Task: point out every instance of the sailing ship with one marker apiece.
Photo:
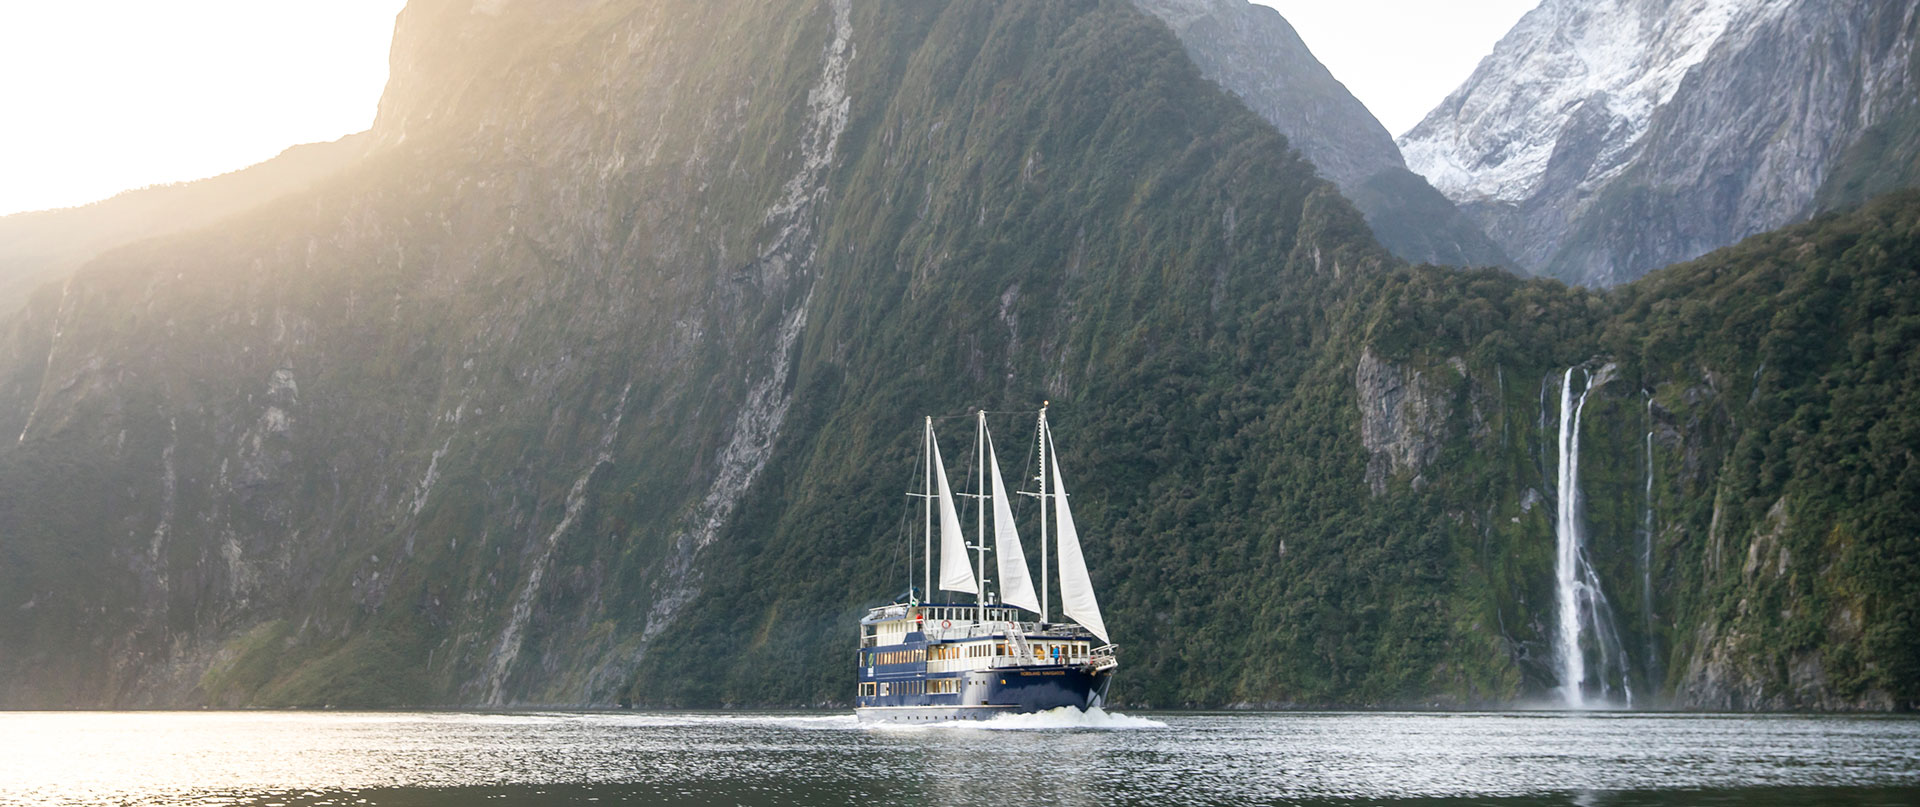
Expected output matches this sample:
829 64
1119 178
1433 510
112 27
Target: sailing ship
940 661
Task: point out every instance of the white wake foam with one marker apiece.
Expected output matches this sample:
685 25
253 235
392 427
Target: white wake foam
841 721
1064 718
1067 717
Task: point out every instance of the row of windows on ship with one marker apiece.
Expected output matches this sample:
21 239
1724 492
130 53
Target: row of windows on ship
968 614
1076 651
930 686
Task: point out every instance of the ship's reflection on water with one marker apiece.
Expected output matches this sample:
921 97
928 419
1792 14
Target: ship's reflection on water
436 759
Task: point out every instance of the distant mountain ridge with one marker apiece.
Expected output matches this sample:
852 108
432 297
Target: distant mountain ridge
1252 52
1601 140
41 246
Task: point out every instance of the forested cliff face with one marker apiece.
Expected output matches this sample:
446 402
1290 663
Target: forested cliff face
600 378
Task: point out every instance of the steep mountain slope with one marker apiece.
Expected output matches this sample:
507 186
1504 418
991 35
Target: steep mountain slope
1602 140
465 424
1252 52
599 378
48 244
366 419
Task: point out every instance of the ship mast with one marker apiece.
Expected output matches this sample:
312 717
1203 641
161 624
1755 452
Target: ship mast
927 496
1045 593
980 518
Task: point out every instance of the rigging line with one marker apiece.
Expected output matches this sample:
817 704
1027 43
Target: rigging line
904 554
1018 502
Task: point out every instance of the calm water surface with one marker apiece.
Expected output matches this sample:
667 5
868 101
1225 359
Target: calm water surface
299 759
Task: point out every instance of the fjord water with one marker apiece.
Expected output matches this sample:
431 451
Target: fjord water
261 758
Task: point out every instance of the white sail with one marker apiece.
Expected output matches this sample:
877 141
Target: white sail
1016 587
956 574
1076 588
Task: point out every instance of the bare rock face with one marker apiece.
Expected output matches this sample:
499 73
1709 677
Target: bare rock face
1402 415
1252 52
1602 140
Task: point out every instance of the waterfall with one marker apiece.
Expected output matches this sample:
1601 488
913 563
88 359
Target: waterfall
1566 572
1646 550
1582 608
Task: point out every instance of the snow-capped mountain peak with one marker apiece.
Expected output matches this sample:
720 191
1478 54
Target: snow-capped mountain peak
1597 66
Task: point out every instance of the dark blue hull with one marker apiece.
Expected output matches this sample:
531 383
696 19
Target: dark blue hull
983 694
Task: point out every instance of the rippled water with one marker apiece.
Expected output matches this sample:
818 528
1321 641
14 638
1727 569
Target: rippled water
261 758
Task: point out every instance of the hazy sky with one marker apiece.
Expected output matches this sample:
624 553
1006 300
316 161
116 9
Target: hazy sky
99 96
1401 57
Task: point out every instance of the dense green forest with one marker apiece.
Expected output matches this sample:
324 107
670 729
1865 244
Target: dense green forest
600 380
1218 416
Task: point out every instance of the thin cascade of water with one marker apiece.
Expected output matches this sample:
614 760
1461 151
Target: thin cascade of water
1646 548
1582 607
1612 664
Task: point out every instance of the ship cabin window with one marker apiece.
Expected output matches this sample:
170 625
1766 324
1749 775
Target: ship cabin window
869 689
899 657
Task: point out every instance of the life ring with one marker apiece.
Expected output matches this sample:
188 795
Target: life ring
946 623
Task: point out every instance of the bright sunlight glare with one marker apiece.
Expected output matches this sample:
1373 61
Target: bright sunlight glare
101 96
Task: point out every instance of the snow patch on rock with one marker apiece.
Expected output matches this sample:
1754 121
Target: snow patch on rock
1569 64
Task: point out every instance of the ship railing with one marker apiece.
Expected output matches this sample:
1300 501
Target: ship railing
1105 657
977 630
965 630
